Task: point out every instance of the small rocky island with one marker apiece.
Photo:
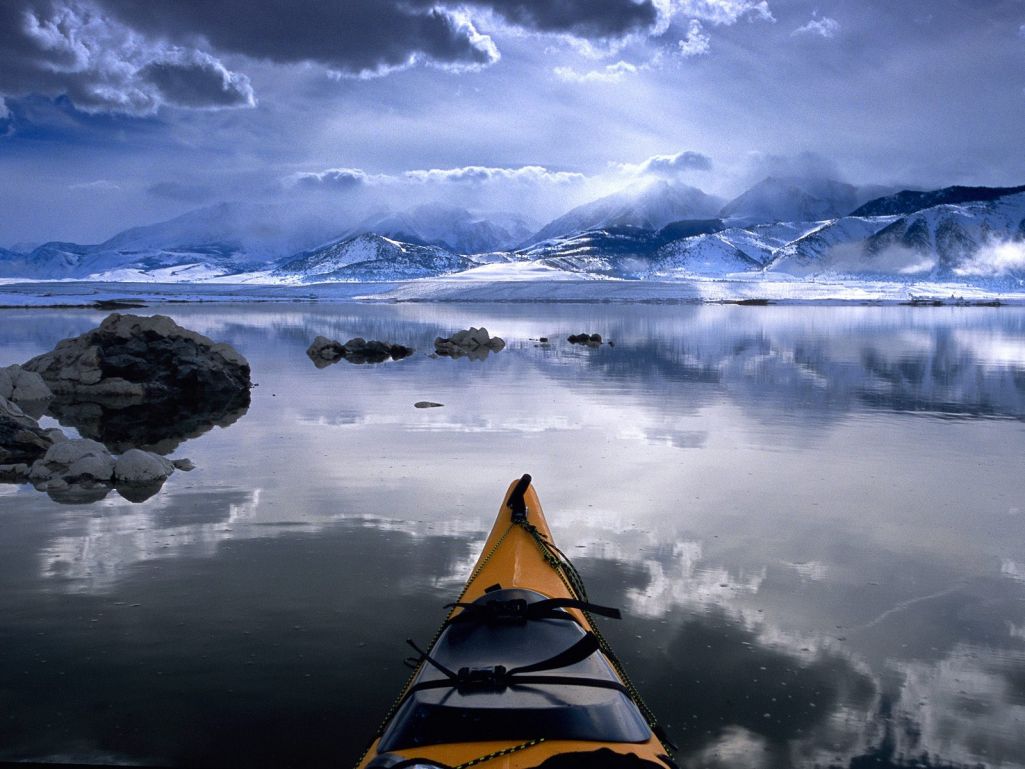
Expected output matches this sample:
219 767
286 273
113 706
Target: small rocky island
325 352
132 384
474 343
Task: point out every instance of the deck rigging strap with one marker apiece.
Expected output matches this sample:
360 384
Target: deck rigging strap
518 610
498 677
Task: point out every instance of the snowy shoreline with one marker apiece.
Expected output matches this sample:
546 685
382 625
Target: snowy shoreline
81 294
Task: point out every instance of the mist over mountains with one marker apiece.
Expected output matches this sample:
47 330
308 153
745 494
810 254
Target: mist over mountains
786 226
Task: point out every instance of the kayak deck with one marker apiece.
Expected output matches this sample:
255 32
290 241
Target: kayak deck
518 675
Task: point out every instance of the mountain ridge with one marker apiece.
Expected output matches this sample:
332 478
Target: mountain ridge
945 241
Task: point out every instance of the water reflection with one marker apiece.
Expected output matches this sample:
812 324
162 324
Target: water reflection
187 525
812 518
160 427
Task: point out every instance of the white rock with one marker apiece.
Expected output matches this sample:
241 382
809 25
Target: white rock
138 466
19 385
73 459
99 467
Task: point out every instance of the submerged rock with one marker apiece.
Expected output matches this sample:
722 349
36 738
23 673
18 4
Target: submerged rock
474 343
323 351
144 382
22 440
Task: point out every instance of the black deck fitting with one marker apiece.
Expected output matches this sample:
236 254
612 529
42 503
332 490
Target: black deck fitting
517 503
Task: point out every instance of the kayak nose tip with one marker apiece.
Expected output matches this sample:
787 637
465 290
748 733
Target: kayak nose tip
517 502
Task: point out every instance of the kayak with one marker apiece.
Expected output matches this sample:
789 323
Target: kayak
519 675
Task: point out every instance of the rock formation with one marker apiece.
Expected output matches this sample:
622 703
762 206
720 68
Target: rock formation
81 470
130 356
473 342
323 351
144 382
591 340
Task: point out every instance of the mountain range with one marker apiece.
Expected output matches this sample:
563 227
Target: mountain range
790 226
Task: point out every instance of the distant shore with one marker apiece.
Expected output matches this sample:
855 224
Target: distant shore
111 296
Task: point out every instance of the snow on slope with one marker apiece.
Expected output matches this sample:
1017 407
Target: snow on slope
729 250
978 239
50 260
227 237
373 258
650 206
180 273
615 251
975 240
720 253
833 246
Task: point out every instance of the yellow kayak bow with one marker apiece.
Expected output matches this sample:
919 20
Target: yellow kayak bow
519 676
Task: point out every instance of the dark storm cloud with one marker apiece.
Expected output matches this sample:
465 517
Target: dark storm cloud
354 37
198 80
580 18
375 36
68 48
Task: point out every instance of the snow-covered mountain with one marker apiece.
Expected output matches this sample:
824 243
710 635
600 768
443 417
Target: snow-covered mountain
451 228
795 199
371 258
980 240
729 250
622 251
615 251
974 240
46 261
836 245
649 206
225 238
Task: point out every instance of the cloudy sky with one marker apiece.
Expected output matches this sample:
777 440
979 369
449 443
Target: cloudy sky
115 113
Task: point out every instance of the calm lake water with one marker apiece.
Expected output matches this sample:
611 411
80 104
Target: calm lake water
812 517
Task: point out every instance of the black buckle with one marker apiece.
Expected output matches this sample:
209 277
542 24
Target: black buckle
469 679
513 611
